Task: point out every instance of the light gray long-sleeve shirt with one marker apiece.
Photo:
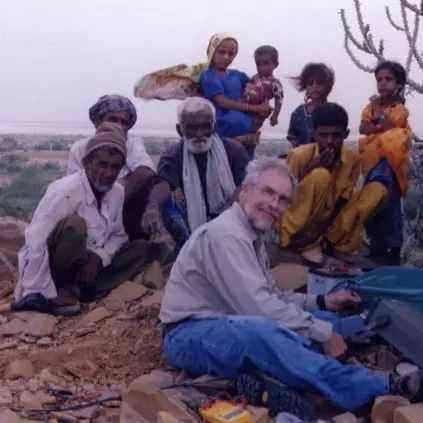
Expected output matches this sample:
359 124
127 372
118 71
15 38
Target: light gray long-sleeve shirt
223 270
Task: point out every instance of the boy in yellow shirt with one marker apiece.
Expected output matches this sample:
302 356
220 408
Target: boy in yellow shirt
326 211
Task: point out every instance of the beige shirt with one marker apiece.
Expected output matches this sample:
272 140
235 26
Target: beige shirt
137 156
69 196
223 270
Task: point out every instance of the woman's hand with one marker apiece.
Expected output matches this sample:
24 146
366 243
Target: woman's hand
262 109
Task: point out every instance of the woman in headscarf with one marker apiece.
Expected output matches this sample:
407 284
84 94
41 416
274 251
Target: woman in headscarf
222 86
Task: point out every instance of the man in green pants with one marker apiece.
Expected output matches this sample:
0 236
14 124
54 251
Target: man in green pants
76 243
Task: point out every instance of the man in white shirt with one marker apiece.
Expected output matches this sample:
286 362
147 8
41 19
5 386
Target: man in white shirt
223 314
76 242
138 170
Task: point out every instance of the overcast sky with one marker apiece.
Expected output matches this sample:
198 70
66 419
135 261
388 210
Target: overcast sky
58 56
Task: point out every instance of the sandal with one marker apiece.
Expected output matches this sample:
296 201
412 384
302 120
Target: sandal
37 302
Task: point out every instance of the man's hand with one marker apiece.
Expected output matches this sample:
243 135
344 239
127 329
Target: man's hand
335 346
326 160
89 270
151 222
340 299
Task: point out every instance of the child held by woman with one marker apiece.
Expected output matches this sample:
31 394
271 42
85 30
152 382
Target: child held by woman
264 86
241 103
225 88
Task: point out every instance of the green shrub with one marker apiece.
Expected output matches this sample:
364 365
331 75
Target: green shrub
49 166
20 198
14 168
9 143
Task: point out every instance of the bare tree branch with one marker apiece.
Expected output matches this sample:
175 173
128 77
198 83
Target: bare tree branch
355 60
391 21
412 39
413 7
368 45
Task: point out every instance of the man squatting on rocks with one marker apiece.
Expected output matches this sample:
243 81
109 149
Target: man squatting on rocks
76 243
137 172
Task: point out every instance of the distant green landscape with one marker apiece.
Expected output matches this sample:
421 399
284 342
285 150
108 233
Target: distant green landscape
29 180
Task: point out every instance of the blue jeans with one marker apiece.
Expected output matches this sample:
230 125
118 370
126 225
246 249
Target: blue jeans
234 345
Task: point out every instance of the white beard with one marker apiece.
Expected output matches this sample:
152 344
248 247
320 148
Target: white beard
101 188
258 225
196 146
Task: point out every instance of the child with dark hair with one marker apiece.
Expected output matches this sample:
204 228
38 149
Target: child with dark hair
384 159
264 86
316 80
217 82
224 87
326 211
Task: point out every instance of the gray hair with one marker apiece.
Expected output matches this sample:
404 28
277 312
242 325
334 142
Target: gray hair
193 105
262 164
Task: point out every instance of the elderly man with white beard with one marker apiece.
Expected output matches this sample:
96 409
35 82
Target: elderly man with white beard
205 168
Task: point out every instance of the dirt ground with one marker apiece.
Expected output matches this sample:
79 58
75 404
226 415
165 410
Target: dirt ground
122 348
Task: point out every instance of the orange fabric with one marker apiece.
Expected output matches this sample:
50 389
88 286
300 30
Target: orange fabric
317 193
344 176
393 144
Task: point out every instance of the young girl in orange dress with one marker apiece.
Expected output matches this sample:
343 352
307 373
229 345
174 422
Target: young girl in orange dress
384 152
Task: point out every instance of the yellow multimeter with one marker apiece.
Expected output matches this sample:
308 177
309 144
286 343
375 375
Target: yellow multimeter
224 411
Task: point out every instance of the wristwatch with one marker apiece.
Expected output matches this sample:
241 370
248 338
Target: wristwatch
321 302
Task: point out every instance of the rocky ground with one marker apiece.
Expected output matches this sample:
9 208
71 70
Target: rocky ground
93 355
50 367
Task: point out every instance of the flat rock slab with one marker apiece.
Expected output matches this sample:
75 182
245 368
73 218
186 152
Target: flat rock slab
26 316
82 369
41 325
114 303
64 417
6 398
153 276
44 342
47 376
14 327
19 369
84 413
155 298
128 291
409 414
8 345
7 416
29 401
384 407
98 314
